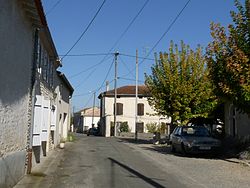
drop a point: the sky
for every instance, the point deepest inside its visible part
(88, 73)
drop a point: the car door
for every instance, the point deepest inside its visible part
(174, 138)
(178, 139)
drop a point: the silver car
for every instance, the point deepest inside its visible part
(193, 139)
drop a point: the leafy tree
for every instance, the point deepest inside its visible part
(180, 86)
(228, 57)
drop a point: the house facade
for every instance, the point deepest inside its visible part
(237, 123)
(126, 101)
(87, 118)
(33, 94)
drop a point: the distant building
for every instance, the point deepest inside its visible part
(237, 123)
(126, 101)
(84, 118)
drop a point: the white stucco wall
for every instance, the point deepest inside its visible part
(63, 108)
(242, 122)
(129, 113)
(87, 121)
(16, 50)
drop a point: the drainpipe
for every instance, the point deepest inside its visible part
(33, 97)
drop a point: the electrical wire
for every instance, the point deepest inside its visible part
(53, 7)
(85, 79)
(90, 23)
(82, 55)
(89, 68)
(123, 33)
(164, 34)
(125, 65)
(105, 76)
(128, 55)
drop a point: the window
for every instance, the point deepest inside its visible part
(140, 127)
(140, 109)
(119, 109)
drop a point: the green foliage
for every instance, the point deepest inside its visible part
(180, 86)
(124, 127)
(228, 57)
(152, 127)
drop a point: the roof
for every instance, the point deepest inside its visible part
(66, 82)
(127, 91)
(89, 112)
(34, 10)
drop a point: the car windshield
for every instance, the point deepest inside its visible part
(195, 131)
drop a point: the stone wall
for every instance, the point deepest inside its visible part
(16, 52)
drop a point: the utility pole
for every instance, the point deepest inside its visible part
(136, 94)
(93, 112)
(115, 88)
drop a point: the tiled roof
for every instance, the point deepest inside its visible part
(89, 112)
(127, 91)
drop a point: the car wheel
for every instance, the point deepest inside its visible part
(183, 151)
(173, 148)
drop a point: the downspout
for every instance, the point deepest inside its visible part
(33, 97)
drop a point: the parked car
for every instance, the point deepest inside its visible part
(193, 139)
(93, 131)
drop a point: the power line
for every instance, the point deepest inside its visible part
(106, 76)
(128, 55)
(126, 66)
(85, 79)
(130, 24)
(164, 34)
(89, 68)
(53, 7)
(117, 41)
(85, 30)
(82, 55)
(130, 79)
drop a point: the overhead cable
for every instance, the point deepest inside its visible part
(92, 20)
(53, 7)
(164, 34)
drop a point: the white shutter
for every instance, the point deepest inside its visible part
(53, 119)
(37, 121)
(45, 120)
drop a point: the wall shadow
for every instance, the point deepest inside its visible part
(136, 173)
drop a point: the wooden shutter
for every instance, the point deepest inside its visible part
(119, 109)
(140, 109)
(38, 112)
(45, 120)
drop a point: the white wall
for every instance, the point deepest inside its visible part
(16, 50)
(129, 113)
(87, 121)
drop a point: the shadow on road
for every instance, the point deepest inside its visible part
(138, 174)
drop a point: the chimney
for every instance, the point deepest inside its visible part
(107, 85)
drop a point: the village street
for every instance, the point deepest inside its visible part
(112, 162)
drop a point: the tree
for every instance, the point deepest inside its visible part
(228, 57)
(180, 86)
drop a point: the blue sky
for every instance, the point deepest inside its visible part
(70, 18)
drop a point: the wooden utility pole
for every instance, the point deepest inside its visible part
(93, 112)
(115, 88)
(136, 94)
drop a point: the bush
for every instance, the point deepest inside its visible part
(152, 127)
(124, 127)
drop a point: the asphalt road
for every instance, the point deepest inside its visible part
(109, 162)
(106, 162)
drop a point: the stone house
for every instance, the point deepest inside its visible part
(237, 123)
(33, 94)
(126, 101)
(84, 118)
